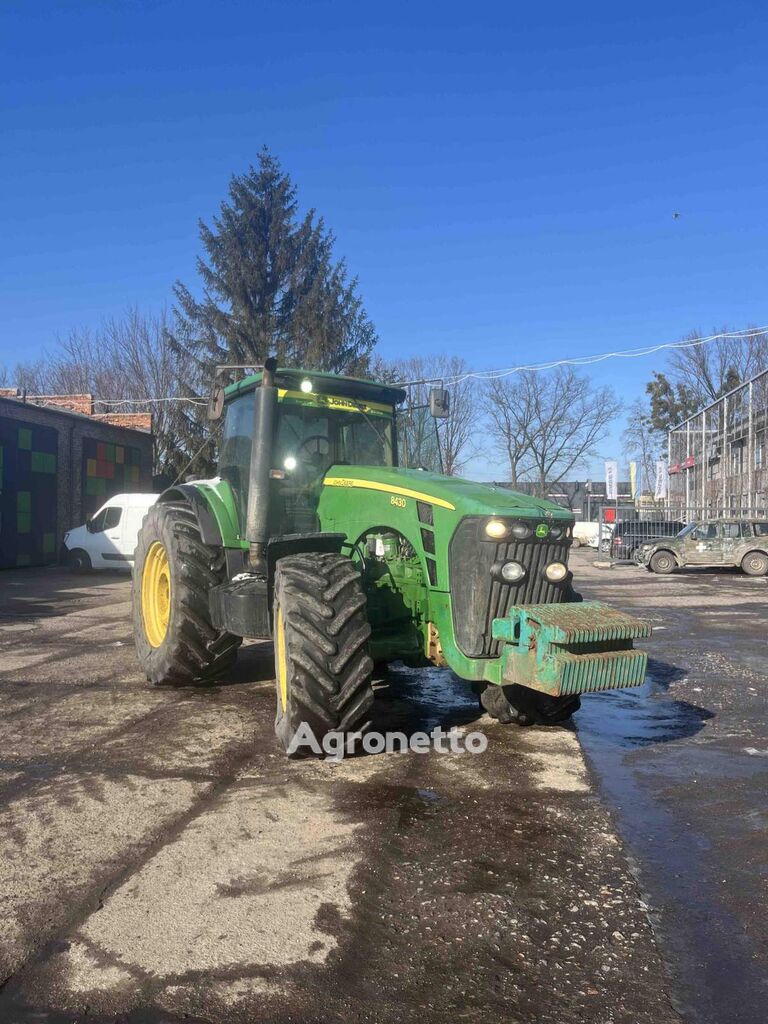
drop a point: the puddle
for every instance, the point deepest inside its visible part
(650, 759)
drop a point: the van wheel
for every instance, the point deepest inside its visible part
(79, 561)
(755, 563)
(662, 563)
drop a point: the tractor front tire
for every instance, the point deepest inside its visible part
(322, 667)
(524, 706)
(173, 571)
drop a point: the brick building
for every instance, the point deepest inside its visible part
(59, 462)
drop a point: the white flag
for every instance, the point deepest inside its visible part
(662, 480)
(611, 479)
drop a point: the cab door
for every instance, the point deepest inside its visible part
(704, 545)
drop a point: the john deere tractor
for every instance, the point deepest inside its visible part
(313, 535)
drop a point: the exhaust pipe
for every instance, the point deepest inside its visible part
(262, 445)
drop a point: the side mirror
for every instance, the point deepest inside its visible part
(216, 404)
(89, 524)
(439, 403)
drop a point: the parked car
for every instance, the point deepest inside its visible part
(585, 534)
(108, 539)
(742, 542)
(629, 536)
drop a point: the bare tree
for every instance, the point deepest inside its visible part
(548, 423)
(511, 420)
(642, 443)
(445, 445)
(712, 368)
(122, 364)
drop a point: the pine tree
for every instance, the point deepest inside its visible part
(270, 286)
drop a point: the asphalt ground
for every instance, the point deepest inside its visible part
(683, 763)
(160, 860)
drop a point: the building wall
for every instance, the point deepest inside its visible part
(56, 469)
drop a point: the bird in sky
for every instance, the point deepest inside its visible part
(675, 215)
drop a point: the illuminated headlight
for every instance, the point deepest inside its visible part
(512, 572)
(289, 463)
(306, 386)
(556, 572)
(496, 529)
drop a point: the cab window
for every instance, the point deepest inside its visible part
(761, 529)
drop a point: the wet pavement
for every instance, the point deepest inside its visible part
(684, 764)
(161, 861)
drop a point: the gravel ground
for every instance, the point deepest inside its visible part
(161, 861)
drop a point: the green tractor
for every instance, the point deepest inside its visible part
(314, 536)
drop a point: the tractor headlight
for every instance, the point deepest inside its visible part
(306, 386)
(512, 572)
(555, 532)
(496, 529)
(556, 572)
(520, 531)
(290, 463)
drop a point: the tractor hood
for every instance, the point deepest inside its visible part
(465, 496)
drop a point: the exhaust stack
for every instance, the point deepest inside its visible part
(262, 444)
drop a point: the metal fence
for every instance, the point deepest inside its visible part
(719, 457)
(624, 528)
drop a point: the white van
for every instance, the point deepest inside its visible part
(585, 534)
(108, 539)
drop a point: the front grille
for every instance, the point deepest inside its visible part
(477, 598)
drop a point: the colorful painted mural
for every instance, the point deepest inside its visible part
(28, 485)
(108, 469)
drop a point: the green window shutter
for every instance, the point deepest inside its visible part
(25, 439)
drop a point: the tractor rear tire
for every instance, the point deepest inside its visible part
(322, 667)
(176, 642)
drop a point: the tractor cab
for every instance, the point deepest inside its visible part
(321, 421)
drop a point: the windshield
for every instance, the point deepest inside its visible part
(687, 529)
(309, 440)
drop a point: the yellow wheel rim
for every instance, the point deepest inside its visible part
(156, 594)
(282, 659)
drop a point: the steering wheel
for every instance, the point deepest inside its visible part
(321, 440)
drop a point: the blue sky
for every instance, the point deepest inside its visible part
(501, 176)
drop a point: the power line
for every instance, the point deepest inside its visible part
(632, 353)
(148, 401)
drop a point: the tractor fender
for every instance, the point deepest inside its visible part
(209, 527)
